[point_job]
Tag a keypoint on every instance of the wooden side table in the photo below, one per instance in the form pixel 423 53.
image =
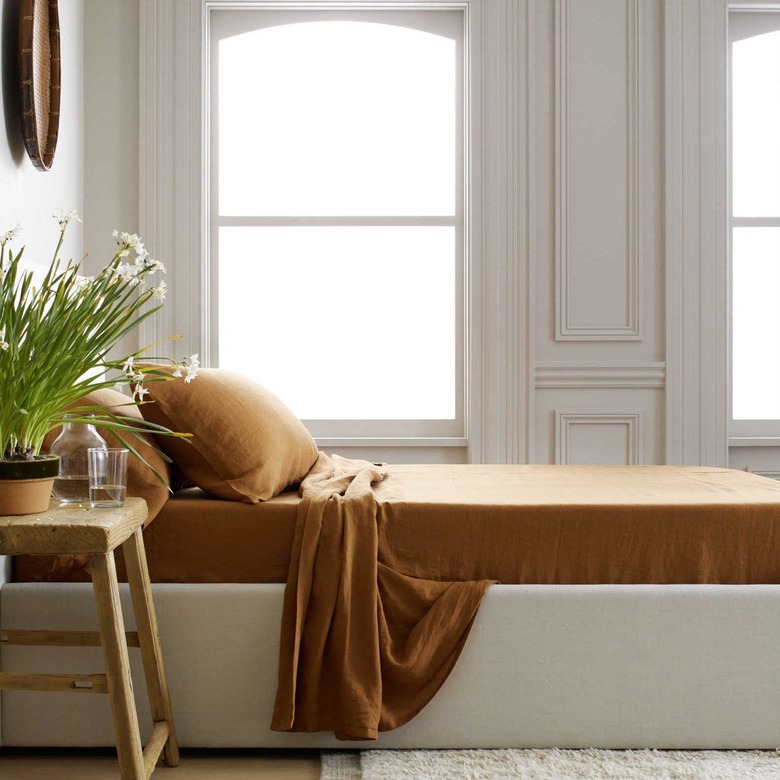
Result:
pixel 79 530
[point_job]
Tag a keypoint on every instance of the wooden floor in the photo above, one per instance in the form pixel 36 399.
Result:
pixel 19 764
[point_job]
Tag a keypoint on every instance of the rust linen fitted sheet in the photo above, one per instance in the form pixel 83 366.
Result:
pixel 514 524
pixel 580 524
pixel 196 538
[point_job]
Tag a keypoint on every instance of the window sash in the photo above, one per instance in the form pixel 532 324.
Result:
pixel 449 22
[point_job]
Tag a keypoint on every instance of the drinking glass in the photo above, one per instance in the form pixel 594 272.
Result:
pixel 107 477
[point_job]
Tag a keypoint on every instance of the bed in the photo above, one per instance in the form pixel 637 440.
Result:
pixel 638 608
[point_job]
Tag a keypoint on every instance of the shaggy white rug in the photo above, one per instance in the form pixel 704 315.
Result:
pixel 551 765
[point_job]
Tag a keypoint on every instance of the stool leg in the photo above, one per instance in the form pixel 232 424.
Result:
pixel 120 683
pixel 149 639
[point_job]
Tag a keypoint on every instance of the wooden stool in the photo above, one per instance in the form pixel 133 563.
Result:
pixel 79 530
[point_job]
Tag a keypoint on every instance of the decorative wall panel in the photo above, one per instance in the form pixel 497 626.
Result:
pixel 598 438
pixel 598 170
pixel 594 375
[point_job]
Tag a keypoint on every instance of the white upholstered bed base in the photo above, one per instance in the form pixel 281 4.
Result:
pixel 675 666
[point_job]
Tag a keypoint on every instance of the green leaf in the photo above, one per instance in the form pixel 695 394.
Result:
pixel 62 334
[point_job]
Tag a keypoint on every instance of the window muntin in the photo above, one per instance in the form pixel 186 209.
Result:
pixel 375 247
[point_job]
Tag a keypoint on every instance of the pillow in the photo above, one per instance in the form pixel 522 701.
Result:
pixel 246 444
pixel 141 481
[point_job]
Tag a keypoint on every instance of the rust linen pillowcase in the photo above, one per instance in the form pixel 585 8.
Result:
pixel 141 481
pixel 246 444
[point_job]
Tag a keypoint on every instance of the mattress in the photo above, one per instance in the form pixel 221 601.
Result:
pixel 512 524
pixel 570 666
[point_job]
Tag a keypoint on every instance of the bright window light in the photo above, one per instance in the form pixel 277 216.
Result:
pixel 337 118
pixel 756 126
pixel 336 213
pixel 342 323
pixel 756 323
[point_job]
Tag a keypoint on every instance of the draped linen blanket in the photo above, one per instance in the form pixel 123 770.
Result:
pixel 363 648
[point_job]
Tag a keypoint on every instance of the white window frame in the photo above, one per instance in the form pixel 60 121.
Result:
pixel 499 284
pixel 698 284
pixel 338 431
pixel 751 431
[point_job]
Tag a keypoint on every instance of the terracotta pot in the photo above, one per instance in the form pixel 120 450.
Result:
pixel 25 485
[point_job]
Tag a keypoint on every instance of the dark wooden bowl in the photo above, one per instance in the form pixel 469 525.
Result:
pixel 39 73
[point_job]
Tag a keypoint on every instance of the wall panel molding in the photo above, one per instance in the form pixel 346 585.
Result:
pixel 501 354
pixel 595 375
pixel 567 328
pixel 566 422
pixel 171 155
pixel 696 232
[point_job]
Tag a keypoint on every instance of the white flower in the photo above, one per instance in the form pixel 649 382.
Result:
pixel 80 282
pixel 191 367
pixel 127 366
pixel 3 342
pixel 188 366
pixel 139 391
pixel 130 240
pixel 152 266
pixel 128 273
pixel 65 218
pixel 11 234
pixel 136 380
pixel 136 271
pixel 159 292
pixel 141 253
pixel 127 242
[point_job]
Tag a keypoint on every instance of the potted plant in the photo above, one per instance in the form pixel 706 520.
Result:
pixel 58 330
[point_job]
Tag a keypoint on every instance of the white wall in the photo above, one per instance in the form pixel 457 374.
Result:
pixel 28 196
pixel 110 123
pixel 110 129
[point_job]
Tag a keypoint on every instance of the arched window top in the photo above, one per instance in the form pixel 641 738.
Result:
pixel 298 100
pixel 231 23
pixel 383 31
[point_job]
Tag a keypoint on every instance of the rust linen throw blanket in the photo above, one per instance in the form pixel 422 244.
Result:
pixel 363 648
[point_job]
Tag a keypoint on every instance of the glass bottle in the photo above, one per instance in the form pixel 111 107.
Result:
pixel 72 485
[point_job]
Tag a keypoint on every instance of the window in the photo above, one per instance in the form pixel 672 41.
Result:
pixel 755 222
pixel 337 217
